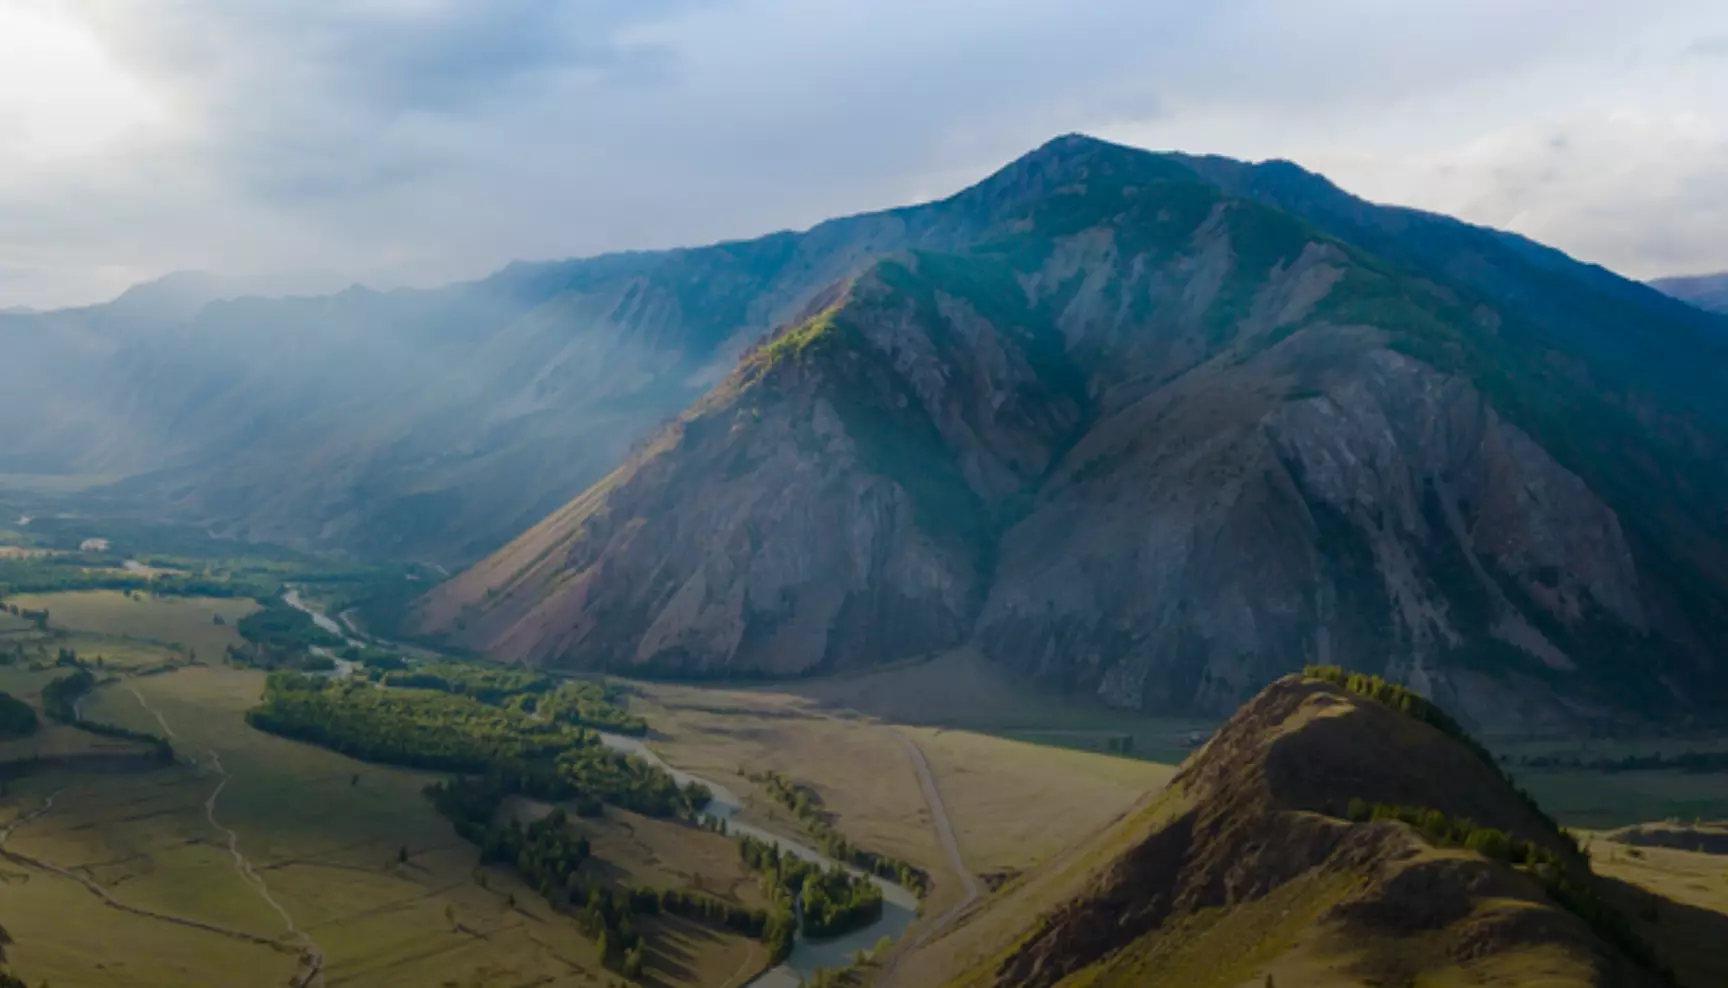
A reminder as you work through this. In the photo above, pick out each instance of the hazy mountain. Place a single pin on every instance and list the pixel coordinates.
(1249, 870)
(440, 423)
(1708, 291)
(1152, 440)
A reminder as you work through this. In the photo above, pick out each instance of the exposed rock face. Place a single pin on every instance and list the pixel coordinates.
(1148, 442)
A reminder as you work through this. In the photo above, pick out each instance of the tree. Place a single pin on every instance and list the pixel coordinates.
(632, 967)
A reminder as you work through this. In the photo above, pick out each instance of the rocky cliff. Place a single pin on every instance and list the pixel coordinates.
(1157, 443)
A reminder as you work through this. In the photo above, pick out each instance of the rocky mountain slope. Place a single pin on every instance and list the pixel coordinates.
(1159, 443)
(438, 424)
(1276, 857)
(1704, 291)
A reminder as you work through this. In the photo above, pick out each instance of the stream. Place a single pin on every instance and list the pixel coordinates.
(899, 904)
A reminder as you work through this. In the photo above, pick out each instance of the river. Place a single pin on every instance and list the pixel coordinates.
(899, 904)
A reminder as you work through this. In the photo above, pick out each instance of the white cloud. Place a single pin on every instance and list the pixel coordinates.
(435, 138)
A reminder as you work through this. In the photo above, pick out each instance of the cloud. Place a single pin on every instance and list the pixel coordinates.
(432, 139)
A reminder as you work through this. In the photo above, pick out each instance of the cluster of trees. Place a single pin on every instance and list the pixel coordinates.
(549, 853)
(17, 719)
(1566, 876)
(579, 704)
(278, 626)
(833, 900)
(415, 728)
(62, 574)
(378, 661)
(489, 684)
(806, 806)
(39, 618)
(60, 703)
(448, 732)
(591, 704)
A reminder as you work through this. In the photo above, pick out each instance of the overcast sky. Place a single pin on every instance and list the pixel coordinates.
(425, 140)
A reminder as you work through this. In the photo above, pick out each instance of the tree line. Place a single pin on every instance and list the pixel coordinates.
(549, 854)
(833, 900)
(60, 702)
(577, 703)
(806, 806)
(17, 718)
(428, 729)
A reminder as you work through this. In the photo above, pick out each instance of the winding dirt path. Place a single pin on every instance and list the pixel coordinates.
(312, 958)
(950, 844)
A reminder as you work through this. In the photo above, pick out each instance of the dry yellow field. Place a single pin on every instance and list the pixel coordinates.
(1014, 804)
(1690, 930)
(1011, 804)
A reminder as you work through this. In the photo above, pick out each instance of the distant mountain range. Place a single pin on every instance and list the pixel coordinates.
(1152, 427)
(1708, 291)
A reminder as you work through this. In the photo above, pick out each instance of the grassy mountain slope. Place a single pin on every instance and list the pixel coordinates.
(1250, 870)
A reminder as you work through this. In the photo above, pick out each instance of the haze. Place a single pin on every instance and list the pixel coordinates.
(417, 141)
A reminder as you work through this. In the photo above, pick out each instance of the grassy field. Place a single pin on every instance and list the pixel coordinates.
(321, 833)
(183, 621)
(1690, 931)
(1014, 804)
(1011, 803)
(1601, 800)
(960, 689)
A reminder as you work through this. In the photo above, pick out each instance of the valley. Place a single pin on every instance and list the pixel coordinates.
(1134, 568)
(257, 851)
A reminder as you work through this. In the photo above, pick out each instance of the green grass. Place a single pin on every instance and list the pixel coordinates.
(181, 622)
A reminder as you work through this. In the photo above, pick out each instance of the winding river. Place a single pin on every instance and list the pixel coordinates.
(899, 904)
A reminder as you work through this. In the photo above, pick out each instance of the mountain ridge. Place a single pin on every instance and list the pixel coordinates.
(1232, 444)
(1279, 853)
(437, 424)
(1706, 291)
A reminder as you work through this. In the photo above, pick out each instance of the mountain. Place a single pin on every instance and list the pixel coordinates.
(1158, 442)
(1277, 856)
(1708, 291)
(431, 424)
(438, 424)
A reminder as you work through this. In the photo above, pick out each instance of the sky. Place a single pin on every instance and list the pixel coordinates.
(421, 141)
